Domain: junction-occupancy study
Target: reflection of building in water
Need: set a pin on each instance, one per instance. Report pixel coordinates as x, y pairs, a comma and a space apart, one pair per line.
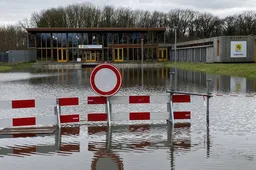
25, 149
153, 77
233, 84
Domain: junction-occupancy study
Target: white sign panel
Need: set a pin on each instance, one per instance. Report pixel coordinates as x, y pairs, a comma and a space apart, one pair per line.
78, 59
238, 49
237, 85
89, 46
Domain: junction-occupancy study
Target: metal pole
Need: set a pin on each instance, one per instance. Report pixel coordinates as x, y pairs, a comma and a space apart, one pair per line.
208, 119
171, 78
109, 111
170, 137
175, 54
58, 113
109, 139
208, 98
171, 116
175, 44
142, 58
142, 52
58, 139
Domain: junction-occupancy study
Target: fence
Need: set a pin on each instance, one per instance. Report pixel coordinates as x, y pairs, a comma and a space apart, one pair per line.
18, 56
145, 115
56, 119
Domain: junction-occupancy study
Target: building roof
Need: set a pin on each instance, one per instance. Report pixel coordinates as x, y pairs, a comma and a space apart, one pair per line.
109, 29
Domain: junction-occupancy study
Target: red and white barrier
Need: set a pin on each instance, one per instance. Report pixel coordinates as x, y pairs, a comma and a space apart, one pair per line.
38, 120
38, 103
157, 99
145, 115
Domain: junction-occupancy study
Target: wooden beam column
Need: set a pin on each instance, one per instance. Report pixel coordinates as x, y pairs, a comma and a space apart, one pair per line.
128, 46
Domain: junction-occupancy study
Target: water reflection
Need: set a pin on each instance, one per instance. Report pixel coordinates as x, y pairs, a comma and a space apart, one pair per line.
45, 144
148, 77
136, 139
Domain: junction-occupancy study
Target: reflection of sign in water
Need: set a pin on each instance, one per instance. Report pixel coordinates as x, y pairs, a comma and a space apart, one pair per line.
107, 160
238, 49
237, 85
135, 137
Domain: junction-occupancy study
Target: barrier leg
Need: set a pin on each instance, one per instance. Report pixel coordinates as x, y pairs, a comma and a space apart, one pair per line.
208, 98
109, 139
208, 119
58, 112
171, 114
58, 139
170, 133
171, 80
109, 111
170, 142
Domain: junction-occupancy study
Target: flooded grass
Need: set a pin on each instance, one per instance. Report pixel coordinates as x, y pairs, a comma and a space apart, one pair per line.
247, 70
8, 67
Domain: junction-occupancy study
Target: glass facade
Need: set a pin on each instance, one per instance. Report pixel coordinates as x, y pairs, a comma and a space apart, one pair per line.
116, 46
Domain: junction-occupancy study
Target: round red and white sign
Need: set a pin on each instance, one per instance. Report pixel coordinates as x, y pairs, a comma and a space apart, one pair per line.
106, 80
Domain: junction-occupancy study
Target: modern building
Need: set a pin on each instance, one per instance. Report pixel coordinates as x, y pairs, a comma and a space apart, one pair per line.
223, 49
98, 44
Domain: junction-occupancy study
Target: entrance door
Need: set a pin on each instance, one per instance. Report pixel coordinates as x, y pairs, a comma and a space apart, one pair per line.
62, 55
119, 55
90, 56
163, 55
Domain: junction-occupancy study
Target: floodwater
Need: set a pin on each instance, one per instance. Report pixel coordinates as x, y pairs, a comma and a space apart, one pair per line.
227, 143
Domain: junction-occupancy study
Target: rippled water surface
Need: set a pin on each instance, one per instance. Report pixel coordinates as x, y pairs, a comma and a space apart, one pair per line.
228, 142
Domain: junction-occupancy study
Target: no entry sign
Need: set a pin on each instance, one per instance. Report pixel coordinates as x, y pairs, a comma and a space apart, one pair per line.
105, 80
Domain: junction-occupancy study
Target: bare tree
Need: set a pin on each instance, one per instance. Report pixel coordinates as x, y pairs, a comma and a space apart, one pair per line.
190, 24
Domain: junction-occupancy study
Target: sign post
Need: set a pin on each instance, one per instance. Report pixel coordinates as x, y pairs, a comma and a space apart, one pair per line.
106, 80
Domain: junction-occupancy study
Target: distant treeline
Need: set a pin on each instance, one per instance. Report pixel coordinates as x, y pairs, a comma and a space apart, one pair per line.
190, 24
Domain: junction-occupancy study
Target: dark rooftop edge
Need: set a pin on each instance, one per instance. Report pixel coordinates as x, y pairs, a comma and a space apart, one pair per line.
93, 29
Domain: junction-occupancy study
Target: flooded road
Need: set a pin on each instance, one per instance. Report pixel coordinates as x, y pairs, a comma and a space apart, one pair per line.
230, 143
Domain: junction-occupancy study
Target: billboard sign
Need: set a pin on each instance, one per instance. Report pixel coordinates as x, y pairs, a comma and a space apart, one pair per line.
90, 46
238, 49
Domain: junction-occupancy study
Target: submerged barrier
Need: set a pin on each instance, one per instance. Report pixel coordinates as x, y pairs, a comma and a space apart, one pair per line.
105, 80
53, 120
145, 115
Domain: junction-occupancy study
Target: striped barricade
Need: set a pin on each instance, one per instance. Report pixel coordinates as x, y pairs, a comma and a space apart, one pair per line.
38, 120
145, 115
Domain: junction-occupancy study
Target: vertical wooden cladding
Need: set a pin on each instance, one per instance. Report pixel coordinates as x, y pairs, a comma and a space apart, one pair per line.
218, 47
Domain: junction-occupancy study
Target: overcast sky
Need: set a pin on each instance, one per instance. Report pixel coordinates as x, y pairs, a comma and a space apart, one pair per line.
14, 10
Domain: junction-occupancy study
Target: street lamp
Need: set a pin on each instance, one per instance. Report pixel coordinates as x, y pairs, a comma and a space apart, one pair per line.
175, 55
175, 44
142, 58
